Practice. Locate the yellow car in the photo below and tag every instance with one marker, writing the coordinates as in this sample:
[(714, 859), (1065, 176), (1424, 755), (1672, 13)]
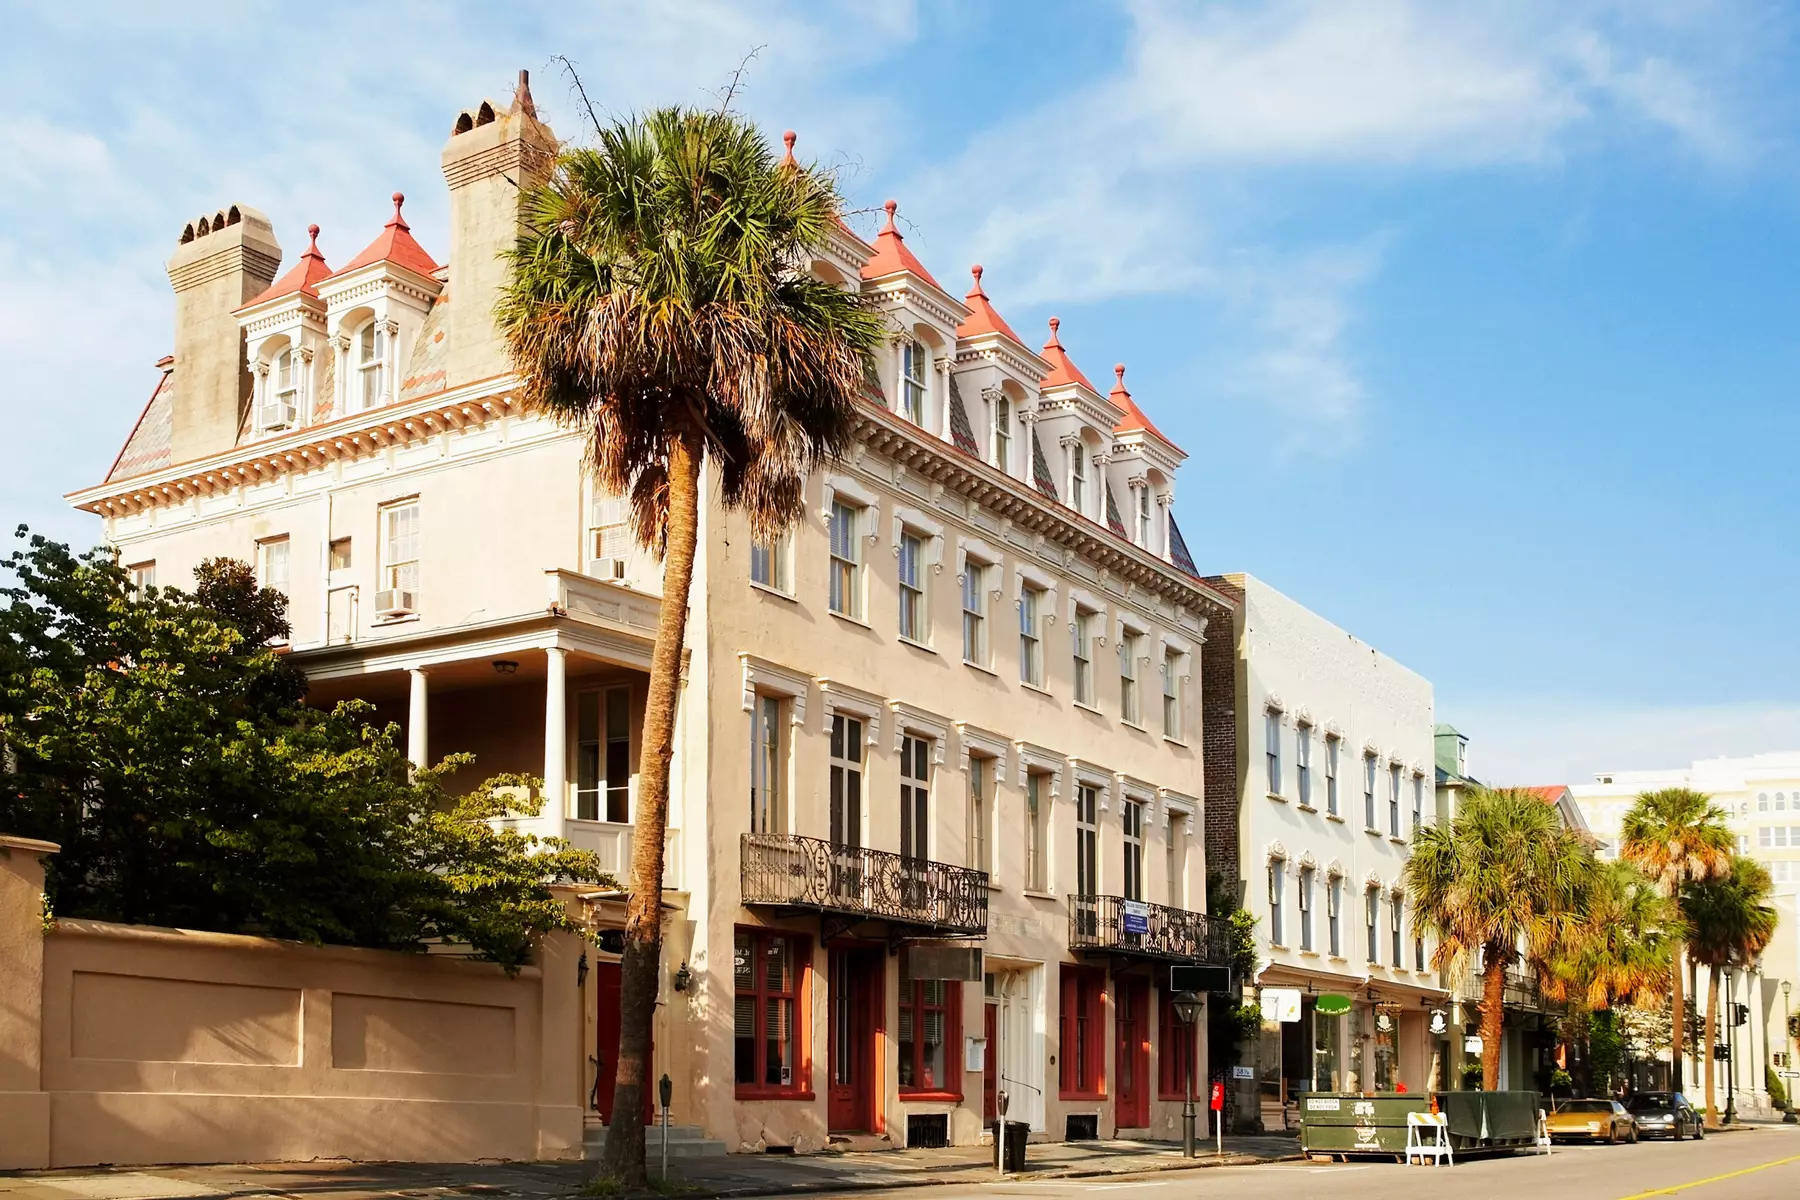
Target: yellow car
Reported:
[(1591, 1121)]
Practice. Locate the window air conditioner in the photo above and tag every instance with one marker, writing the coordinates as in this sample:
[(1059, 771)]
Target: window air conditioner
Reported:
[(393, 602), (608, 568), (277, 414)]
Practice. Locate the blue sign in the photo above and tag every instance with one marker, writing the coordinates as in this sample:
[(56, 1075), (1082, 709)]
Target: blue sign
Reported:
[(1135, 917)]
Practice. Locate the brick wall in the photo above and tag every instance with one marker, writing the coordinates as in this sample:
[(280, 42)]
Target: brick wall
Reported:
[(1221, 756)]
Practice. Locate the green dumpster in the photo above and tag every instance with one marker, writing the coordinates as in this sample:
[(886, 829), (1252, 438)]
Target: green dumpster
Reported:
[(1344, 1123)]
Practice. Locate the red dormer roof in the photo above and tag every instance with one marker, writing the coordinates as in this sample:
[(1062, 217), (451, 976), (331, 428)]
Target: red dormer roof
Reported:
[(1062, 369), (1551, 794), (1134, 419), (301, 277), (891, 254), (395, 245), (982, 317)]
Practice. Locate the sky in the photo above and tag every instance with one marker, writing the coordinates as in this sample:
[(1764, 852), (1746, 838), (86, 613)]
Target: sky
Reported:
[(1476, 320)]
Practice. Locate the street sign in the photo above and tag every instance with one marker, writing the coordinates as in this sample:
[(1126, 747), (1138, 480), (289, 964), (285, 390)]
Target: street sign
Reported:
[(1242, 1072), (1280, 1004), (1200, 977), (1134, 917)]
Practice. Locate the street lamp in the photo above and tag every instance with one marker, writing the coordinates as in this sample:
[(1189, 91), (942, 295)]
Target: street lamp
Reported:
[(1787, 1046), (1187, 1007)]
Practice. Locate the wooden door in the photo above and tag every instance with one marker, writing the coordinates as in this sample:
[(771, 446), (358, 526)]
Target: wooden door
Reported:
[(1131, 1054), (856, 993), (606, 1046), (990, 1079)]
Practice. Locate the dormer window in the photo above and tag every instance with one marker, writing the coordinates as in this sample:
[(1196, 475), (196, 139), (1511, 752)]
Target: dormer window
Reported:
[(371, 358), (280, 403), (1143, 517), (1003, 433), (1077, 477), (912, 382)]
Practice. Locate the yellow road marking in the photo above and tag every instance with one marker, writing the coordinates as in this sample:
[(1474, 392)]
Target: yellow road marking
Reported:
[(1682, 1187)]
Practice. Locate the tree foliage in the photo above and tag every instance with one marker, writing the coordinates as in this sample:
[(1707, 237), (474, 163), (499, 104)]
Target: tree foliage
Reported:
[(158, 737)]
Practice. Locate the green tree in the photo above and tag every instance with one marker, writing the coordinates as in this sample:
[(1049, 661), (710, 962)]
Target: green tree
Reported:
[(1676, 837), (659, 300), (1503, 880), (1730, 922), (158, 738)]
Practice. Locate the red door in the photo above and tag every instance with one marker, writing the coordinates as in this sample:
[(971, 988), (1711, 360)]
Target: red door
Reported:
[(1131, 1053), (990, 1078), (856, 992), (606, 1045)]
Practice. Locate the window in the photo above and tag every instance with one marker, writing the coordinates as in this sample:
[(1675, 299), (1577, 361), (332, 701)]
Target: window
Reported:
[(1373, 899), (1394, 799), (400, 547), (768, 789), (1143, 516), (912, 382), (1762, 802), (1395, 909), (1369, 792), (1418, 947), (1277, 888), (340, 554), (974, 605), (846, 561), (1764, 837), (1082, 1033), (1332, 746), (915, 797), (768, 969), (279, 402), (272, 564), (1418, 782), (769, 563), (371, 364), (1077, 476), (1083, 637), (1175, 862), (1334, 923), (1780, 801), (1172, 695), (1087, 840), (980, 770), (1175, 1066), (1036, 801), (142, 575), (1031, 650), (930, 1036), (846, 780), (1272, 749), (609, 536), (1743, 845), (1128, 684), (912, 587), (1303, 763), (1132, 812), (1003, 433), (603, 756)]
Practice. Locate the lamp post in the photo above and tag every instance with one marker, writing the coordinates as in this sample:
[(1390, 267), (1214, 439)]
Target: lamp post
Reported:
[(1187, 1007), (1730, 1042), (1787, 1046)]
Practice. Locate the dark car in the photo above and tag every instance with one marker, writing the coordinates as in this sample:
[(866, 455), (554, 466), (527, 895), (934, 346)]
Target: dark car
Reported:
[(1665, 1114)]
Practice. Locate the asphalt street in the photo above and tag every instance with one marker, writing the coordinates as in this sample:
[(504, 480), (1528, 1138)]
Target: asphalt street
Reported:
[(1763, 1162)]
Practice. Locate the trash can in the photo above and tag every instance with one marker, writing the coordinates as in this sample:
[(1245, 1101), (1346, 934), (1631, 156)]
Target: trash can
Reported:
[(1009, 1145)]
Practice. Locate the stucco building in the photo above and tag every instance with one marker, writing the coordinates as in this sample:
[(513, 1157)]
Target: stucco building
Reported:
[(1318, 774), (958, 708)]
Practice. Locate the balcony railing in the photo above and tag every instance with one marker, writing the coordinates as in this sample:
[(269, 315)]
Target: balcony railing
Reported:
[(801, 872), (1106, 923)]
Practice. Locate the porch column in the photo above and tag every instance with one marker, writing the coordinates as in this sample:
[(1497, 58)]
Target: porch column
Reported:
[(417, 734), (556, 741)]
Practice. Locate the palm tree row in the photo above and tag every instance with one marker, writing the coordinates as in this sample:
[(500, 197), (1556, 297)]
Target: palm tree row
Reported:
[(1505, 882)]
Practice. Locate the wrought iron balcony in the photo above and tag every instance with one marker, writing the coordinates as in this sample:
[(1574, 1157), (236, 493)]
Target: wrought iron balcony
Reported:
[(857, 883), (1103, 923)]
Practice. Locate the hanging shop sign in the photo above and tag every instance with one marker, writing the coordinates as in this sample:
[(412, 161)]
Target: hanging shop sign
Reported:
[(1331, 1004), (1280, 1004), (1440, 1022)]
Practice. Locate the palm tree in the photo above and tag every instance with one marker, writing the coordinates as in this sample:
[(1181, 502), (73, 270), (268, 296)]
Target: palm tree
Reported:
[(1730, 922), (1676, 837), (659, 302), (1503, 879), (1619, 953)]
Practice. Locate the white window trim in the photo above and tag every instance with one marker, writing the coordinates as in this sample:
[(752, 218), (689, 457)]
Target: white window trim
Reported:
[(1025, 575), (857, 496), (920, 722), (773, 679), (835, 697), (1036, 760), (1178, 804), (1095, 776), (978, 741)]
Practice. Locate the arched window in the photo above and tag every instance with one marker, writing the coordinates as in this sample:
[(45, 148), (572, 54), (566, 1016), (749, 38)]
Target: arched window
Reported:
[(371, 358), (1762, 802)]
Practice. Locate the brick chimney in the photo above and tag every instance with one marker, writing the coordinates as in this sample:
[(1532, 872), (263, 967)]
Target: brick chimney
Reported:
[(224, 259), (492, 159)]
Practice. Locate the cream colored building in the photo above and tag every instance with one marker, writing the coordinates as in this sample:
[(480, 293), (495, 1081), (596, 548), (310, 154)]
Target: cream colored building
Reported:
[(1334, 757), (1760, 797), (957, 708)]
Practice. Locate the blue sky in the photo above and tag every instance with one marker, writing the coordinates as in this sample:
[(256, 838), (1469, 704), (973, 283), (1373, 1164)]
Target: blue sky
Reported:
[(1477, 320)]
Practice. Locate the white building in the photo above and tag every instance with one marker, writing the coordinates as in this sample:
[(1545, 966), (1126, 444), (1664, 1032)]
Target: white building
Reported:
[(1760, 796)]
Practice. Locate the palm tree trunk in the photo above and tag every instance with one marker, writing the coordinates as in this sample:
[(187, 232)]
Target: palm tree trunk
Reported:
[(1493, 999), (1679, 1001), (1712, 1039), (640, 969)]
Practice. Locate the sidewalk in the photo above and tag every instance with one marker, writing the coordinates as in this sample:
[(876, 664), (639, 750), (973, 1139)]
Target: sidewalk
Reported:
[(727, 1176)]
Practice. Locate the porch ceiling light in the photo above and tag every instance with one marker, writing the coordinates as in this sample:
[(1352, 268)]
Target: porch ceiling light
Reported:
[(505, 666)]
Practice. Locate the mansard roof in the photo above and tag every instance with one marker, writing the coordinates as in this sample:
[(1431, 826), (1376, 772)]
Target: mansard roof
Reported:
[(396, 245), (301, 277), (150, 446)]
